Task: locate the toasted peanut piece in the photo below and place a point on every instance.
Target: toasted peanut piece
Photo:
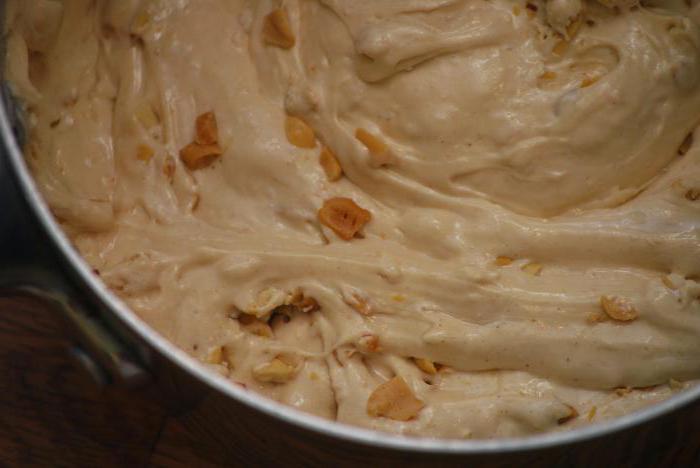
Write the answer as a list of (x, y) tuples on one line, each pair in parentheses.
[(277, 31), (206, 129), (597, 317), (345, 217), (618, 308), (592, 412), (307, 304), (359, 303), (146, 116), (169, 166), (144, 153), (254, 325), (276, 371), (329, 163), (675, 384), (589, 81), (560, 48), (692, 195), (368, 343), (140, 22), (573, 27), (533, 269), (531, 9), (503, 261), (668, 282), (621, 391), (426, 365), (260, 328), (380, 152), (572, 414), (394, 400), (196, 156), (686, 145), (216, 355), (299, 133)]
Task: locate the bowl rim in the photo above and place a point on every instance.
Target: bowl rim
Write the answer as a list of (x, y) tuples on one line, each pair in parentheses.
[(19, 171)]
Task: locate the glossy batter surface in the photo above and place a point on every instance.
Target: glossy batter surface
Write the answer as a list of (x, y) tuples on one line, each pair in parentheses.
[(449, 218)]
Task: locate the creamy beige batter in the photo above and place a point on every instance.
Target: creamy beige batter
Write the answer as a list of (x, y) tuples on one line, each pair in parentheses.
[(529, 257)]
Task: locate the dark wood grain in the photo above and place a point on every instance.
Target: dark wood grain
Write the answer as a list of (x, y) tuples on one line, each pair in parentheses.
[(51, 414)]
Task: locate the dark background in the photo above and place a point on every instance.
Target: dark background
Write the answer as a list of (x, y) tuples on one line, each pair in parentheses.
[(52, 414)]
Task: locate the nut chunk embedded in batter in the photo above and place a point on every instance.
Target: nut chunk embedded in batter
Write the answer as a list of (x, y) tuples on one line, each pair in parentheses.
[(207, 130), (394, 400), (378, 150), (277, 31), (618, 308), (299, 133), (205, 149), (276, 371), (344, 217), (329, 163)]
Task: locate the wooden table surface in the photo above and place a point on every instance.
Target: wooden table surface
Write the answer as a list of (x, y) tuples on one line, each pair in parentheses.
[(51, 414)]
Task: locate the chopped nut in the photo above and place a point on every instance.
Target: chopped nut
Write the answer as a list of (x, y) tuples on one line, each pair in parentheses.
[(140, 22), (560, 48), (329, 163), (618, 308), (216, 355), (144, 153), (146, 116), (592, 413), (344, 217), (621, 391), (277, 31), (533, 269), (380, 152), (686, 145), (254, 325), (668, 282), (675, 384), (394, 400), (299, 133), (573, 27), (276, 371), (503, 261), (196, 156), (425, 365), (597, 317), (692, 195), (169, 166), (572, 414), (307, 305), (260, 328), (207, 130), (589, 81), (359, 304), (531, 9), (368, 343)]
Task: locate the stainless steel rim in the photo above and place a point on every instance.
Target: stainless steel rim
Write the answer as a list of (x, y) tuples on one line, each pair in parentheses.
[(338, 430)]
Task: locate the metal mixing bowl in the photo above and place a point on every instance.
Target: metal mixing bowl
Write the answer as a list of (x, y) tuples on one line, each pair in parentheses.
[(118, 348)]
